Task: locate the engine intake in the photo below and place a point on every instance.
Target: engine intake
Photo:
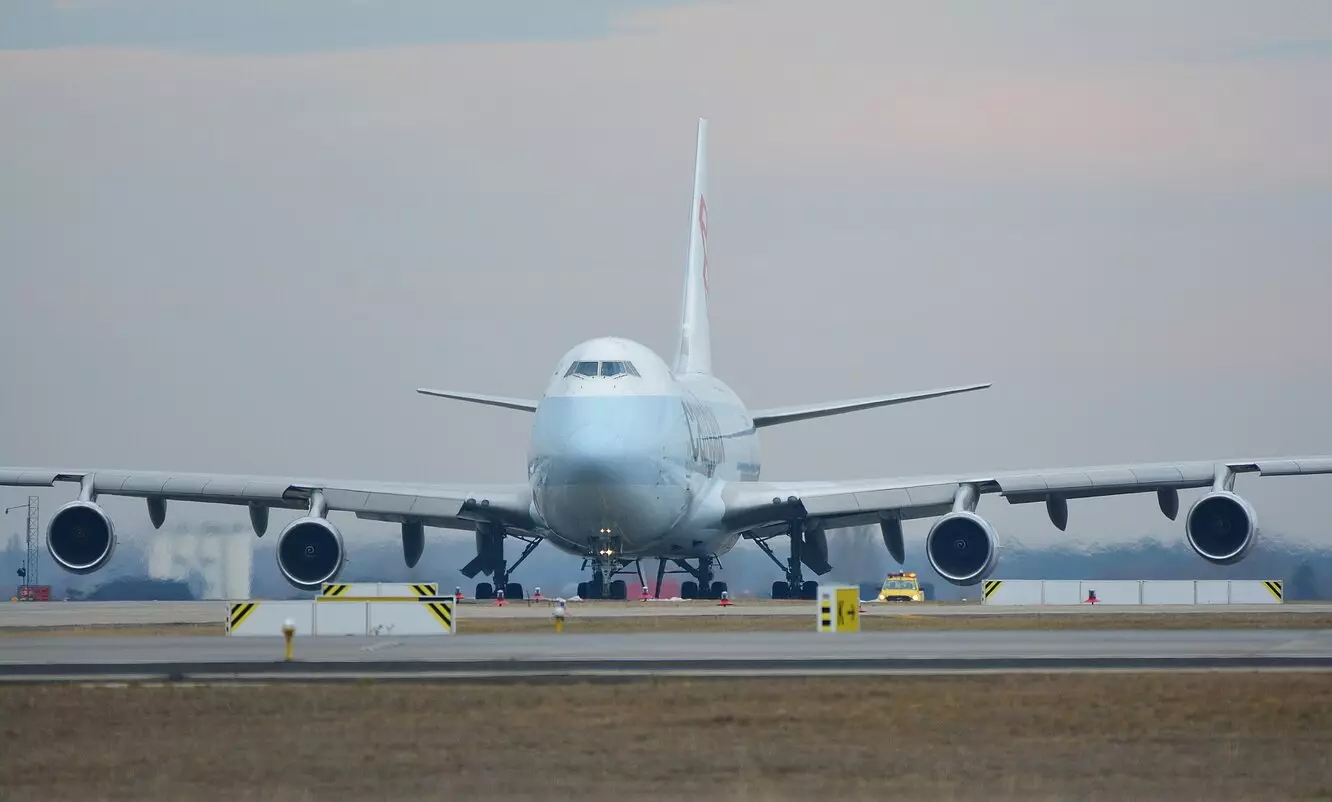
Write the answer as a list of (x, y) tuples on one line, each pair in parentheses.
[(1221, 527), (80, 537), (310, 553), (962, 548)]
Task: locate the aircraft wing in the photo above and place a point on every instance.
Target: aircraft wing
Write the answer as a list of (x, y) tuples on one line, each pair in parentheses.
[(779, 415), (753, 506), (452, 507)]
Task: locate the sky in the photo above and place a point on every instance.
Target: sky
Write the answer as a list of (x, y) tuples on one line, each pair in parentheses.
[(236, 236)]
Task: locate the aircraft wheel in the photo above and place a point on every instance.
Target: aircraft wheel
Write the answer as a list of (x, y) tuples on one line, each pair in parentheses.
[(780, 590), (582, 590), (689, 590), (484, 591), (718, 588), (809, 590), (513, 591), (618, 590)]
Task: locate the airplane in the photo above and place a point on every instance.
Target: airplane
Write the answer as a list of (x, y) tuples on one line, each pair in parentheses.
[(632, 457)]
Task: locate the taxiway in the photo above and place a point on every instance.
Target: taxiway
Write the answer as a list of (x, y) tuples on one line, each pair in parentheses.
[(624, 655)]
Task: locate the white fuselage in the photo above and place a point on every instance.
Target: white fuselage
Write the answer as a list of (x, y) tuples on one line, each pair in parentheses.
[(627, 456)]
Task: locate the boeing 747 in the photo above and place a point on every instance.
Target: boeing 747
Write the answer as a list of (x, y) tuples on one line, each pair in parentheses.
[(632, 457)]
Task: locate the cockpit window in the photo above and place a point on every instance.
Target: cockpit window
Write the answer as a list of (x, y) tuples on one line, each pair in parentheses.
[(606, 369), (618, 369), (582, 369)]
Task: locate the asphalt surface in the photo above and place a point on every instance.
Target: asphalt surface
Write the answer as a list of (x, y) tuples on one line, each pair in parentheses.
[(203, 658), (55, 614)]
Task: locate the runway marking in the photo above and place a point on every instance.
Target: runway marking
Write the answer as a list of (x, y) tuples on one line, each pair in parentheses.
[(374, 647)]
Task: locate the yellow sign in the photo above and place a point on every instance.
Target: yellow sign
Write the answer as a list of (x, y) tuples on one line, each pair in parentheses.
[(839, 608), (848, 609)]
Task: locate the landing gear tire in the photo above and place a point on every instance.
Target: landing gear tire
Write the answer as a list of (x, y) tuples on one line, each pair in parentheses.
[(484, 591), (689, 590), (780, 590), (718, 588), (809, 590), (618, 590), (582, 590), (513, 591)]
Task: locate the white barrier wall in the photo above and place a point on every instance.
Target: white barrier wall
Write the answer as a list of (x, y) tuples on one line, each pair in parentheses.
[(1131, 591), (364, 589), (1168, 591), (332, 616)]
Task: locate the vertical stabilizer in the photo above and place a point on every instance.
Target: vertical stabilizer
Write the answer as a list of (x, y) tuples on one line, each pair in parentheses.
[(695, 351)]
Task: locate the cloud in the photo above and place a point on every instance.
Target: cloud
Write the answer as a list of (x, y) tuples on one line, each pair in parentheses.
[(263, 26)]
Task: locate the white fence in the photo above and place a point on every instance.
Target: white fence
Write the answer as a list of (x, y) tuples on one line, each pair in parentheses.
[(334, 616), (1131, 591)]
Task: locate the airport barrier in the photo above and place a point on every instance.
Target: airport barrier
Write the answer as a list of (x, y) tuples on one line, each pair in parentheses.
[(839, 608), (427, 615), (365, 589), (1131, 591)]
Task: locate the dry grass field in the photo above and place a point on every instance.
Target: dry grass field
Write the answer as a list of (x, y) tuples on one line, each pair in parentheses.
[(1160, 736)]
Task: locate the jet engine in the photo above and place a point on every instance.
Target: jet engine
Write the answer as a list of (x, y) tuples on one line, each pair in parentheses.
[(962, 548), (1221, 527), (80, 537), (310, 553)]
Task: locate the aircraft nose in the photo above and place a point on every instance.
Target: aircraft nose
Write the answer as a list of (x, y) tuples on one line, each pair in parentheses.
[(592, 455), (597, 482)]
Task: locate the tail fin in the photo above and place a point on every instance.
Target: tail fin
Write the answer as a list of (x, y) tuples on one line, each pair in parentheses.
[(694, 354)]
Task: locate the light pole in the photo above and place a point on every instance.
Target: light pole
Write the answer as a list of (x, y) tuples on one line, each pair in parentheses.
[(28, 573)]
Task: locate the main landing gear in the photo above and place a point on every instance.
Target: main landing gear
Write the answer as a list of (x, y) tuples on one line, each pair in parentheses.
[(809, 549), (490, 561), (702, 586)]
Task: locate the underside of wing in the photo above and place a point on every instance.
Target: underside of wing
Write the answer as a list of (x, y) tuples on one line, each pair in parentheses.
[(81, 536), (962, 547)]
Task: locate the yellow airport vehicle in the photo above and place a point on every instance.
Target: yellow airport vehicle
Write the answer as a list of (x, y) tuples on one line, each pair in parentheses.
[(901, 586)]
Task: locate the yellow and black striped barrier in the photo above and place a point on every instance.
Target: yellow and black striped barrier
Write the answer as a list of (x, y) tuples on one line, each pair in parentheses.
[(238, 612), (345, 615)]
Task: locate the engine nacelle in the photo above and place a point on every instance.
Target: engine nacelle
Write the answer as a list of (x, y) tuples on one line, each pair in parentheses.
[(962, 548), (1221, 527), (310, 553), (80, 537)]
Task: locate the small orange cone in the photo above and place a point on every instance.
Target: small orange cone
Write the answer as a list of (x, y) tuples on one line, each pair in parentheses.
[(1091, 597), (725, 600), (457, 594), (499, 598), (536, 595), (645, 593)]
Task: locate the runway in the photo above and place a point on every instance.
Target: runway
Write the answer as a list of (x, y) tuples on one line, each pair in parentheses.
[(751, 654), (57, 614)]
